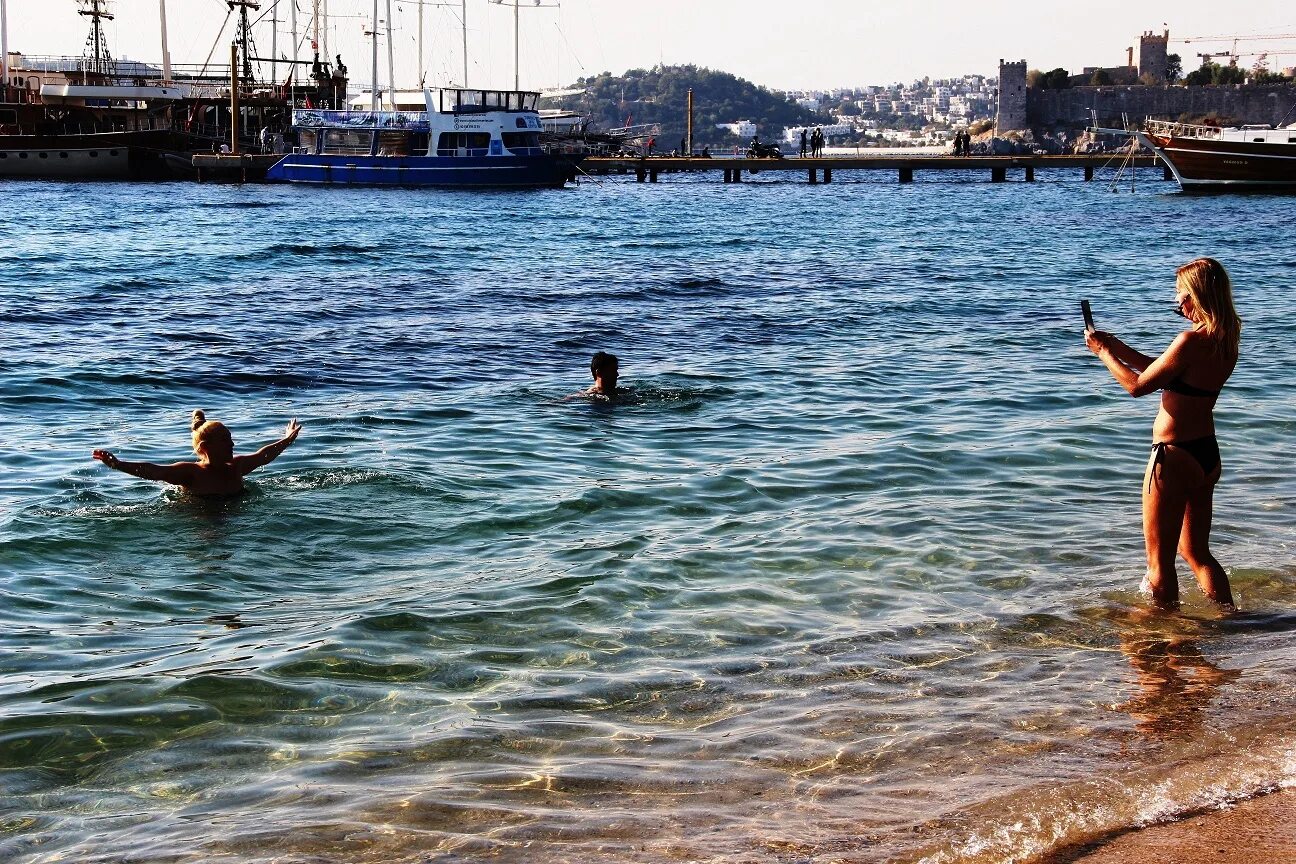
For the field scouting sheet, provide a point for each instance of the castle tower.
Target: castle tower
(1152, 55)
(1012, 97)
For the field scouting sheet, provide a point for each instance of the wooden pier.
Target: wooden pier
(821, 169)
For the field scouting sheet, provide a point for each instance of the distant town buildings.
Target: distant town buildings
(920, 112)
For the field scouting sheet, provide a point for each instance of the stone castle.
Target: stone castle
(1021, 107)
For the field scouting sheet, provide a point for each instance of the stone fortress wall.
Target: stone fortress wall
(1268, 104)
(1024, 108)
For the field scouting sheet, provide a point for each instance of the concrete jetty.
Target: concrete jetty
(820, 169)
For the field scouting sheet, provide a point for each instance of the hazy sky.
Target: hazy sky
(791, 44)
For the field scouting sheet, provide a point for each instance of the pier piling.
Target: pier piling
(1088, 172)
(1030, 173)
(906, 175)
(827, 175)
(814, 176)
(998, 175)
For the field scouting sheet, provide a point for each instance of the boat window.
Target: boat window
(463, 143)
(393, 144)
(529, 101)
(523, 141)
(22, 155)
(94, 154)
(495, 100)
(348, 142)
(44, 155)
(307, 139)
(469, 100)
(1258, 140)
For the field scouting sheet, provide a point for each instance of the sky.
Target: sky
(792, 44)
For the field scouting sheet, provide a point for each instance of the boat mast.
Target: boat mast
(391, 66)
(325, 40)
(4, 52)
(374, 96)
(517, 29)
(166, 53)
(97, 42)
(274, 43)
(292, 77)
(245, 32)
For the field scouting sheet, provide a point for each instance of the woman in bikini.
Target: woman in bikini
(1185, 462)
(218, 471)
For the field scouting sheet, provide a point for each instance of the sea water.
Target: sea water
(850, 573)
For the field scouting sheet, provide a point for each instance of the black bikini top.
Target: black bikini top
(1183, 388)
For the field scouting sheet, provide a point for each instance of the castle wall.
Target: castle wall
(1246, 103)
(1011, 112)
(1153, 59)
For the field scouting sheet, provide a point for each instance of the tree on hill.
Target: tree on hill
(1213, 73)
(1054, 79)
(660, 95)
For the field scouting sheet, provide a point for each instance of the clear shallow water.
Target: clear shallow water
(852, 575)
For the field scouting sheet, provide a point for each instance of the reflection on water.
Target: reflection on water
(1177, 680)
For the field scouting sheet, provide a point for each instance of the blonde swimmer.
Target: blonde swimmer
(218, 471)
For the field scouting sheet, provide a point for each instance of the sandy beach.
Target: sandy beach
(1262, 829)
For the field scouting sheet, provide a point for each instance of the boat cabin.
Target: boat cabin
(453, 123)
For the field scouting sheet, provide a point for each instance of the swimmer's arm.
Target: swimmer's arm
(177, 473)
(267, 454)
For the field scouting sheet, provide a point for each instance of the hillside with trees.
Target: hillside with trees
(660, 95)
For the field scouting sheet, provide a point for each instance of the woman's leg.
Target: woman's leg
(1164, 503)
(1194, 543)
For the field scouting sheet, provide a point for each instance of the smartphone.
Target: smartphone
(1088, 314)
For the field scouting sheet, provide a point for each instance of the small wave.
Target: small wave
(241, 205)
(345, 251)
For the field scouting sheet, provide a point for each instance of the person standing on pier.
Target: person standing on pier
(1179, 483)
(804, 143)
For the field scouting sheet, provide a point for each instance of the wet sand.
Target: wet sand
(1260, 830)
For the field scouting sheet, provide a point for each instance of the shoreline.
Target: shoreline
(1257, 829)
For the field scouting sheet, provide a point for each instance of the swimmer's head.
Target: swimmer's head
(603, 368)
(211, 439)
(1206, 283)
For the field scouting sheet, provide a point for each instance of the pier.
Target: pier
(821, 169)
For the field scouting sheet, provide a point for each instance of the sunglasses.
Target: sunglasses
(1178, 308)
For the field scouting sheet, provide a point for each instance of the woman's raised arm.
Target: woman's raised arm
(267, 454)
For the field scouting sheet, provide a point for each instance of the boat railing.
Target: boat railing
(415, 121)
(1174, 129)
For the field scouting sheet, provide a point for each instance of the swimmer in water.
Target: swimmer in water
(218, 471)
(603, 367)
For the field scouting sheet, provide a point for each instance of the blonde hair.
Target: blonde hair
(1207, 283)
(211, 438)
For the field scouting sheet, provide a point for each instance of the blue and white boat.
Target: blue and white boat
(465, 138)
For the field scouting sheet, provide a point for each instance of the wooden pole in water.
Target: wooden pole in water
(234, 99)
(688, 139)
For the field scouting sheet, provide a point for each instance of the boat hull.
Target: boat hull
(445, 171)
(1210, 165)
(139, 155)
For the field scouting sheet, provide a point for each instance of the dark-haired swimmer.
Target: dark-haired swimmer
(1179, 483)
(603, 368)
(218, 471)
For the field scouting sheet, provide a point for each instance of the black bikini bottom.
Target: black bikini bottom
(1204, 450)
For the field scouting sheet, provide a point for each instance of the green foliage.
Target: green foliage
(1264, 76)
(660, 95)
(1213, 73)
(1100, 78)
(1054, 79)
(1174, 68)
